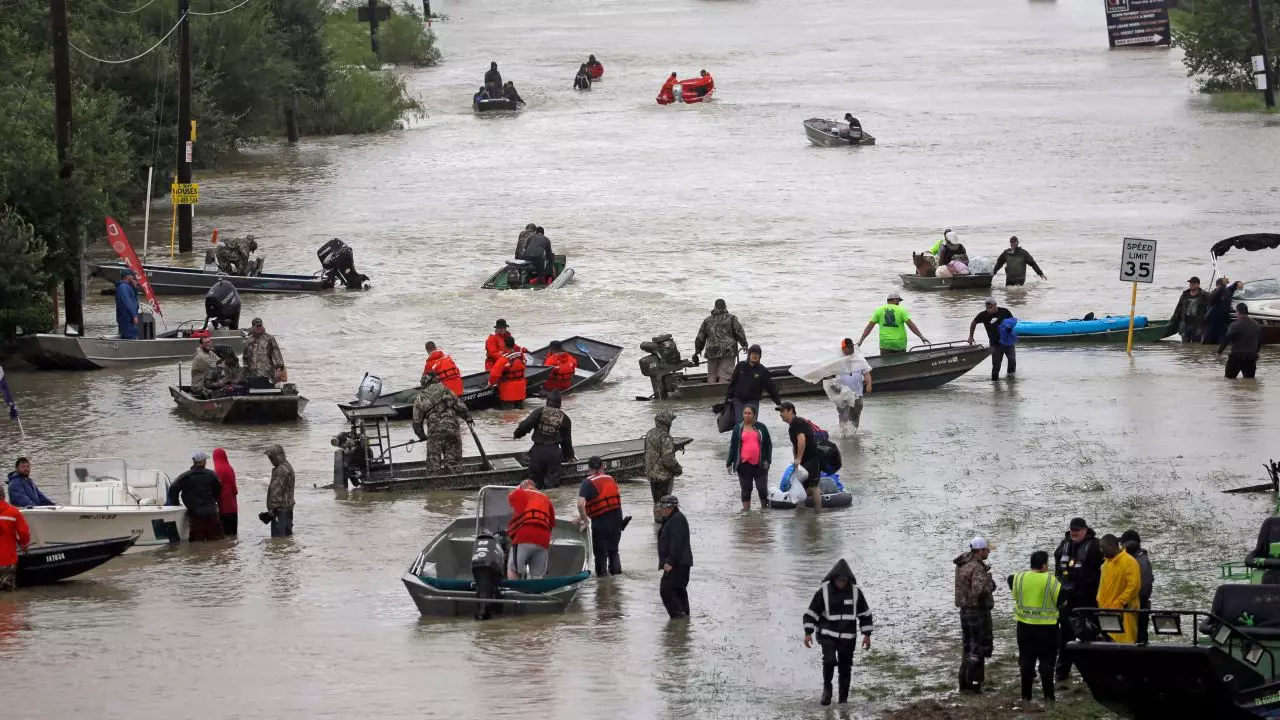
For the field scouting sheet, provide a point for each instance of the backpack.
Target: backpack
(819, 434)
(829, 459)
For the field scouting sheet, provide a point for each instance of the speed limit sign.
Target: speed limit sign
(1138, 261)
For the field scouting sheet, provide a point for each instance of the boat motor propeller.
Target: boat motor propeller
(222, 305)
(661, 365)
(339, 263)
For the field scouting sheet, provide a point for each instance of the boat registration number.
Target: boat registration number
(98, 517)
(945, 361)
(55, 557)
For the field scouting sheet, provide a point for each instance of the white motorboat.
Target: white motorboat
(108, 499)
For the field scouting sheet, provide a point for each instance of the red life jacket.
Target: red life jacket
(563, 366)
(445, 369)
(606, 499)
(13, 533)
(508, 375)
(533, 518)
(494, 347)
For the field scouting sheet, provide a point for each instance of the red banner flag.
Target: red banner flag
(120, 243)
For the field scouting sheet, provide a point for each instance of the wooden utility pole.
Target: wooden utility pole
(1269, 92)
(184, 123)
(62, 134)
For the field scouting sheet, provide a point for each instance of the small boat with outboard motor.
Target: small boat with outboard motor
(924, 367)
(48, 351)
(689, 91)
(260, 403)
(106, 498)
(364, 459)
(47, 564)
(337, 263)
(973, 281)
(831, 133)
(462, 571)
(519, 275)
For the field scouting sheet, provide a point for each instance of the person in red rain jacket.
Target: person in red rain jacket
(228, 502)
(14, 534)
(508, 374)
(666, 95)
(563, 367)
(496, 344)
(444, 367)
(532, 518)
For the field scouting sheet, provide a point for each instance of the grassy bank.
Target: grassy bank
(1239, 101)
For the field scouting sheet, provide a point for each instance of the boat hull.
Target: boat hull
(496, 105)
(623, 460)
(66, 352)
(168, 280)
(957, 282)
(595, 361)
(922, 369)
(151, 527)
(826, 133)
(477, 393)
(241, 409)
(1155, 331)
(564, 274)
(50, 564)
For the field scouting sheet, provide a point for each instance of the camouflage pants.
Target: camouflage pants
(444, 448)
(8, 577)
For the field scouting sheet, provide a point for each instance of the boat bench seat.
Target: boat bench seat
(1253, 609)
(99, 494)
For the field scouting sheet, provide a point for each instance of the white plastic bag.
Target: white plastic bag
(838, 393)
(943, 272)
(981, 265)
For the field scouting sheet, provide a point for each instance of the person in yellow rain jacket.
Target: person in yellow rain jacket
(1121, 583)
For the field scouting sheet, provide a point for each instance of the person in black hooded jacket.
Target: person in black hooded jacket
(1078, 565)
(837, 610)
(750, 380)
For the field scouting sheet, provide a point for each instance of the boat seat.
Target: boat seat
(1266, 554)
(522, 264)
(1253, 609)
(99, 494)
(145, 487)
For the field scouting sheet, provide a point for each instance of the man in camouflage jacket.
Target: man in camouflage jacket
(660, 464)
(280, 493)
(440, 409)
(720, 336)
(262, 356)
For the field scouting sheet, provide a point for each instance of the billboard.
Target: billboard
(1137, 23)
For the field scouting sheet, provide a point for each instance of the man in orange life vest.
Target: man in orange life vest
(563, 366)
(14, 535)
(495, 345)
(552, 442)
(508, 374)
(532, 518)
(444, 367)
(598, 500)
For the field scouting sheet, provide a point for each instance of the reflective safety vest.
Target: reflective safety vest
(446, 370)
(1035, 597)
(606, 499)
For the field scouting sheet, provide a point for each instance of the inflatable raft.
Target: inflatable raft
(1079, 327)
(833, 494)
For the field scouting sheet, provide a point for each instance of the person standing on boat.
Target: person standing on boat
(675, 557)
(1218, 315)
(495, 346)
(280, 493)
(493, 81)
(1035, 607)
(993, 318)
(1078, 566)
(199, 489)
(23, 492)
(893, 319)
(1015, 261)
(750, 453)
(563, 365)
(444, 367)
(660, 465)
(539, 253)
(600, 504)
(748, 382)
(523, 240)
(1245, 338)
(14, 536)
(127, 305)
(975, 597)
(804, 451)
(228, 501)
(532, 519)
(440, 409)
(508, 374)
(204, 365)
(720, 335)
(552, 442)
(1132, 543)
(1188, 315)
(1120, 586)
(262, 357)
(836, 613)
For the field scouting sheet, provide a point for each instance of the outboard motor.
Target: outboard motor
(370, 389)
(222, 305)
(339, 263)
(661, 365)
(489, 567)
(518, 273)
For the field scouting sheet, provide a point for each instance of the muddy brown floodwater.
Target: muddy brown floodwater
(994, 117)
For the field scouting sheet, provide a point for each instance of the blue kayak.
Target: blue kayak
(1079, 327)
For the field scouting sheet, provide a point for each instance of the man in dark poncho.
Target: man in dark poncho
(493, 81)
(837, 610)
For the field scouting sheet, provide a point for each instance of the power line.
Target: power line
(143, 54)
(220, 12)
(130, 12)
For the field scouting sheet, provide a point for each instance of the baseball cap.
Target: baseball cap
(788, 405)
(894, 296)
(669, 501)
(1078, 523)
(978, 544)
(989, 301)
(198, 456)
(1195, 279)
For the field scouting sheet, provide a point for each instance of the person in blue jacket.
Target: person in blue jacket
(127, 306)
(23, 492)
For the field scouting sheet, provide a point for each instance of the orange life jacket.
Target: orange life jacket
(445, 369)
(532, 523)
(563, 366)
(494, 347)
(508, 375)
(607, 497)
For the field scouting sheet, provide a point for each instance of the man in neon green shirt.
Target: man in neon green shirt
(893, 320)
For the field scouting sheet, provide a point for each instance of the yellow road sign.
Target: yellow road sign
(185, 193)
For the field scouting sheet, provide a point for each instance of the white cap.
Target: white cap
(977, 544)
(199, 455)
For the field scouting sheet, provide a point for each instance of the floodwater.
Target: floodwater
(993, 117)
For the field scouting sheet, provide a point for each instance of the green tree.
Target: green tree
(1218, 42)
(24, 303)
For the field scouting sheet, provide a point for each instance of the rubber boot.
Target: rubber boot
(827, 672)
(844, 688)
(826, 694)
